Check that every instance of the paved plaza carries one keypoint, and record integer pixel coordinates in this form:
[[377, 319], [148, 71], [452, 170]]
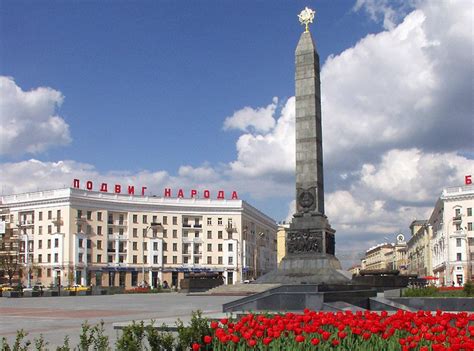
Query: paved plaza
[[56, 317]]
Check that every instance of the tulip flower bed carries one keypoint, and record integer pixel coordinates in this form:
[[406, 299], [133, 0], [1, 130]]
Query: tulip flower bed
[[312, 330]]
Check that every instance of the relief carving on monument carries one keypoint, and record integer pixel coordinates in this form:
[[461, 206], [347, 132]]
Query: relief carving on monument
[[304, 241], [306, 199]]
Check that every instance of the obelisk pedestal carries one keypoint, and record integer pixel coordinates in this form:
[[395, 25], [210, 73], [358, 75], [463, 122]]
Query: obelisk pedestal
[[310, 240]]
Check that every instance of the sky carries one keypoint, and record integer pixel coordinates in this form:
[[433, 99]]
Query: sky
[[200, 95]]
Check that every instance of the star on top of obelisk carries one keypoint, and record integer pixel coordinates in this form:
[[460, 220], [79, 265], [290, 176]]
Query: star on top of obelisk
[[306, 17]]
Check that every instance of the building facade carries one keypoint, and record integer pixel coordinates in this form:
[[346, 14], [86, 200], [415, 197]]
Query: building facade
[[379, 257], [419, 249], [73, 236], [452, 241]]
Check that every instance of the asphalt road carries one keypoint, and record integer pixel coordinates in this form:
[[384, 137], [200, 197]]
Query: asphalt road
[[56, 317]]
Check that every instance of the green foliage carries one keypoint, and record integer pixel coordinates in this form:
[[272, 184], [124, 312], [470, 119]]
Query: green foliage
[[468, 288], [40, 344], [65, 346], [132, 339], [194, 333], [159, 341], [421, 292], [19, 344], [92, 336]]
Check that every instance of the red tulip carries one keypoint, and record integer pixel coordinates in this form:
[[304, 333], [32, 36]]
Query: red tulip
[[207, 339], [196, 347], [299, 338], [314, 341]]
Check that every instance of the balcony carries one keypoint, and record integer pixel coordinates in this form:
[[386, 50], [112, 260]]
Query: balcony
[[197, 253], [198, 226], [186, 225], [457, 218], [81, 220], [230, 229], [118, 223], [186, 253], [26, 223], [57, 221]]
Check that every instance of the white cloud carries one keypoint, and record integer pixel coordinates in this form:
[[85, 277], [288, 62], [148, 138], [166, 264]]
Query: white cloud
[[259, 119], [389, 12], [28, 120]]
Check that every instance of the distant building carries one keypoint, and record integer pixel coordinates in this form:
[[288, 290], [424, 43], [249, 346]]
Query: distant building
[[419, 249], [281, 241], [355, 269], [378, 258], [74, 236], [452, 243]]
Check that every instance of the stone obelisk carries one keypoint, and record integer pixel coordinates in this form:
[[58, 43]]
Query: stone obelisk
[[310, 244]]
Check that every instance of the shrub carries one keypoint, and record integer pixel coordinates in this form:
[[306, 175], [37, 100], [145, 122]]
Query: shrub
[[420, 292], [194, 333], [468, 288]]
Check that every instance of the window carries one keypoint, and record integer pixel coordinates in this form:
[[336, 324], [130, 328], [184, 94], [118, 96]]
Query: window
[[145, 259], [56, 242], [219, 247], [40, 258], [110, 231], [79, 228], [185, 259], [196, 234], [99, 230], [175, 259], [40, 230], [121, 219], [79, 214], [155, 219], [135, 218], [165, 259], [459, 256], [40, 216], [458, 242], [120, 231], [219, 234], [99, 258], [89, 215], [219, 260], [50, 229], [209, 247], [165, 246], [135, 232], [469, 226], [165, 233], [144, 232], [99, 244], [134, 246], [110, 259], [56, 258], [175, 247], [89, 244], [40, 244], [219, 221], [134, 259], [457, 212], [79, 258], [39, 273], [145, 219], [196, 260], [145, 246], [175, 220], [89, 229], [470, 241], [209, 221], [155, 259], [458, 226], [49, 243], [99, 216], [175, 233], [231, 247], [229, 235], [49, 258], [209, 234], [209, 259], [165, 220], [48, 272], [231, 260], [155, 246], [80, 242], [50, 214], [469, 211]]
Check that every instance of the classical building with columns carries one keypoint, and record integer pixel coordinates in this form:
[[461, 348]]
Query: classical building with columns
[[74, 236]]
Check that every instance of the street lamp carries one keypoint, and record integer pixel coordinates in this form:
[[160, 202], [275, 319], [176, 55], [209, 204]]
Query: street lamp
[[152, 225]]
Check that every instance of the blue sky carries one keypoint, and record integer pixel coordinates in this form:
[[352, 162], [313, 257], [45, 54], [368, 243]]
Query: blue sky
[[199, 94]]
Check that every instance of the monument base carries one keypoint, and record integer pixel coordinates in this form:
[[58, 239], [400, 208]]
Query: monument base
[[307, 269]]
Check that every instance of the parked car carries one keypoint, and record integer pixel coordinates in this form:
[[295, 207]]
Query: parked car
[[6, 288], [77, 287]]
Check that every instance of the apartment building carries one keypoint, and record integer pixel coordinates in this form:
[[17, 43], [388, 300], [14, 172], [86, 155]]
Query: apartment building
[[452, 242], [419, 249], [75, 236]]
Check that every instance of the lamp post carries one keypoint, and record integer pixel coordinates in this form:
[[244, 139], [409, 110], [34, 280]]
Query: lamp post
[[152, 225]]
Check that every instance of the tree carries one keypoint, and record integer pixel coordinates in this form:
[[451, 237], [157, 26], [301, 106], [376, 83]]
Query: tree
[[9, 255]]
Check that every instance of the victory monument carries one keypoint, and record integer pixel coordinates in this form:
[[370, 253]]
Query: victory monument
[[310, 241]]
